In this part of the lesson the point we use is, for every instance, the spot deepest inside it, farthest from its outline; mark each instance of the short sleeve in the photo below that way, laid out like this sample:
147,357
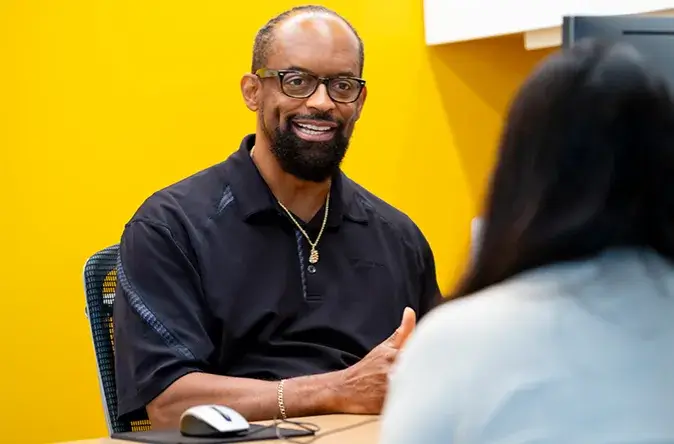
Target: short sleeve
161,321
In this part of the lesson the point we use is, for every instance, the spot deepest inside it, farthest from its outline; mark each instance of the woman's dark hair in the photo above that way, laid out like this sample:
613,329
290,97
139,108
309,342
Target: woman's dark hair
586,162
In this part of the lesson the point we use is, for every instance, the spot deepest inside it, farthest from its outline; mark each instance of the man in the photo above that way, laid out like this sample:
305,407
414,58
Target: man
271,282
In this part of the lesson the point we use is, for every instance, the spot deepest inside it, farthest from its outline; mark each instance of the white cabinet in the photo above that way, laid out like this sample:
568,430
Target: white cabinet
448,21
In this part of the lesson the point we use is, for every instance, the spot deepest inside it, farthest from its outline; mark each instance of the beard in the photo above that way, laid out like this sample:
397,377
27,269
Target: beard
308,160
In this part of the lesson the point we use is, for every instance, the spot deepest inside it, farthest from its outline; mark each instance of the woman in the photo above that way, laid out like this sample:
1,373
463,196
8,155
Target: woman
562,331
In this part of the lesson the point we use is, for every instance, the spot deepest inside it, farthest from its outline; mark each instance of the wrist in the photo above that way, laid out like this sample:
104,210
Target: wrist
311,395
332,394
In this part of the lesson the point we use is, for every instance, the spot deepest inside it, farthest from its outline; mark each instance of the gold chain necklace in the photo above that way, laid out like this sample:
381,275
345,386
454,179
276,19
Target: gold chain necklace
313,254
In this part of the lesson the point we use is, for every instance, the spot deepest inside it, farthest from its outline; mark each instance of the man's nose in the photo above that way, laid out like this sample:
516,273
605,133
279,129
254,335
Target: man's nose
320,99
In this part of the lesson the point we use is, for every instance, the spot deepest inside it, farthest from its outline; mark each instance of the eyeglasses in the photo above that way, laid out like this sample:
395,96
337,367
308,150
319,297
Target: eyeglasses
300,85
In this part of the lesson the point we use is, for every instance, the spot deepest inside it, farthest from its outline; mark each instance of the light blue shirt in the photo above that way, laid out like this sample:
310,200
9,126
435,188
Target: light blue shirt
571,353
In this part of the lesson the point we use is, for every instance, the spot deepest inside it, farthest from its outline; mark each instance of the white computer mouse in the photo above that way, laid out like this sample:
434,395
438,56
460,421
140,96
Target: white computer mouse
212,420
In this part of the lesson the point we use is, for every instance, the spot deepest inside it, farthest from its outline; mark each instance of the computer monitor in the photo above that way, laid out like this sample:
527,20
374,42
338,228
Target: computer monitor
652,36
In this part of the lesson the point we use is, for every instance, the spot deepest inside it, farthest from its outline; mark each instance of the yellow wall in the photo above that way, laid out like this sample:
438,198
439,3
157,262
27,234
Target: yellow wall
91,90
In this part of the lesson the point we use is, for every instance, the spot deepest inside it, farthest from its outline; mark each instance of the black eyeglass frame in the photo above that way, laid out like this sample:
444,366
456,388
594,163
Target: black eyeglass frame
266,73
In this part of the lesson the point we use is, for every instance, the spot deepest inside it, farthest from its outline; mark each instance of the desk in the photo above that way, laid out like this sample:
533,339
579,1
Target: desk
367,433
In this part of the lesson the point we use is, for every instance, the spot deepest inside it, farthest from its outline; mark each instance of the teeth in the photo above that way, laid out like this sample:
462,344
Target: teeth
316,128
311,132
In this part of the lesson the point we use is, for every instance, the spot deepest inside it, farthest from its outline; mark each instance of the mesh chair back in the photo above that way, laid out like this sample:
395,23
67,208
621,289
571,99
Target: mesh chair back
100,279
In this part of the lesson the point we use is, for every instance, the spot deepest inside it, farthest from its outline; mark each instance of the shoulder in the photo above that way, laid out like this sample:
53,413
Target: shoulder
519,303
471,321
385,214
505,320
187,203
172,221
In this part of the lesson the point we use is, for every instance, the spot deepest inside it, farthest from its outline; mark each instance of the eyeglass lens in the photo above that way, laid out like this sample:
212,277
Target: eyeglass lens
303,85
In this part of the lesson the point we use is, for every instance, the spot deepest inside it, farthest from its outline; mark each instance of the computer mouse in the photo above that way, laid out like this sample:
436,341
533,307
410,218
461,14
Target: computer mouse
212,420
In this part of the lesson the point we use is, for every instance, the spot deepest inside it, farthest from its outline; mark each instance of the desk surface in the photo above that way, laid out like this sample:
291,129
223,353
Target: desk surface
352,429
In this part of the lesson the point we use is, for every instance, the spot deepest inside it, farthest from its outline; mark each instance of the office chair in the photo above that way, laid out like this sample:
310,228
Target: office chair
100,279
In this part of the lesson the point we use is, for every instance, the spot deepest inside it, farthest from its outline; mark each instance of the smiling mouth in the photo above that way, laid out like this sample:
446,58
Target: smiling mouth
315,132
313,129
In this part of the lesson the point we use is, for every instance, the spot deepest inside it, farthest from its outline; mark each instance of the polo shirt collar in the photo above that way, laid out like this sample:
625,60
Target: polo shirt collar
254,197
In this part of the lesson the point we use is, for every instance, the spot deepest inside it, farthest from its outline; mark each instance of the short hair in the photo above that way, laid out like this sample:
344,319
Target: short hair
585,164
265,36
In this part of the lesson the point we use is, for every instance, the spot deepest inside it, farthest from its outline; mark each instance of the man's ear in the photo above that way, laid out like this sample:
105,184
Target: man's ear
251,91
361,102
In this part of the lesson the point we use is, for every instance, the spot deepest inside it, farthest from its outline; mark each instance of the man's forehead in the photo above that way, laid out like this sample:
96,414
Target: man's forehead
315,24
310,37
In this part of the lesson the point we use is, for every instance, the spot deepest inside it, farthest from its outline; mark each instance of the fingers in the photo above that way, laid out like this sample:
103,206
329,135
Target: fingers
400,336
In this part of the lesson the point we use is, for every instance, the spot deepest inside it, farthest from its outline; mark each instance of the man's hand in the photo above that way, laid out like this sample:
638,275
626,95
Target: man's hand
364,384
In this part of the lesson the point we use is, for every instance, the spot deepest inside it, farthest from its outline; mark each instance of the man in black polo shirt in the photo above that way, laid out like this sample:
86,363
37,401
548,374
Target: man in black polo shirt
271,282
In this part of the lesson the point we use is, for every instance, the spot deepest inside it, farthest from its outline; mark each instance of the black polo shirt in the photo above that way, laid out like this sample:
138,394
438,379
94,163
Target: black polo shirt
214,277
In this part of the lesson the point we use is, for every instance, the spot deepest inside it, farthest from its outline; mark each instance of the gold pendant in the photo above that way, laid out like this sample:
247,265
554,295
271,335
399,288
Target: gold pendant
313,256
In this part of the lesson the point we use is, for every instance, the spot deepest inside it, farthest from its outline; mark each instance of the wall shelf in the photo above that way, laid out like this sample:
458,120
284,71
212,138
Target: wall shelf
451,21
